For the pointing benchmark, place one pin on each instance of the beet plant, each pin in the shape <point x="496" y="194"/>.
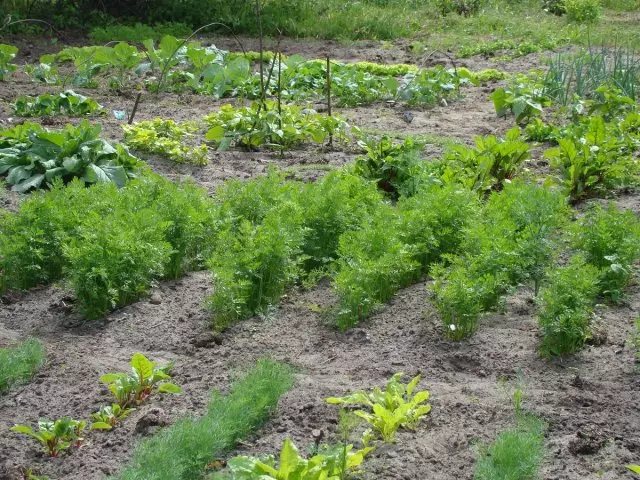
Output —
<point x="109" y="416"/>
<point x="332" y="465"/>
<point x="132" y="389"/>
<point x="55" y="436"/>
<point x="397" y="406"/>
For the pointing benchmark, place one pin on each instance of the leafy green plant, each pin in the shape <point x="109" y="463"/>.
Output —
<point x="524" y="98"/>
<point x="133" y="389"/>
<point x="182" y="451"/>
<point x="433" y="86"/>
<point x="65" y="103"/>
<point x="167" y="138"/>
<point x="609" y="238"/>
<point x="390" y="409"/>
<point x="253" y="264"/>
<point x="489" y="165"/>
<point x="583" y="11"/>
<point x="55" y="436"/>
<point x="138" y="32"/>
<point x="109" y="416"/>
<point x="592" y="162"/>
<point x="7" y="53"/>
<point x="374" y="262"/>
<point x="634" y="468"/>
<point x="32" y="157"/>
<point x="88" y="62"/>
<point x="392" y="167"/>
<point x="44" y="72"/>
<point x="19" y="362"/>
<point x="113" y="260"/>
<point x="517" y="452"/>
<point x="566" y="307"/>
<point x="263" y="124"/>
<point x="292" y="466"/>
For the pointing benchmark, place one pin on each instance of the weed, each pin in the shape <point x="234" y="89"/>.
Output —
<point x="583" y="11"/>
<point x="18" y="363"/>
<point x="182" y="451"/>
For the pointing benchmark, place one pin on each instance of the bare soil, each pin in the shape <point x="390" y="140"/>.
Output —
<point x="590" y="401"/>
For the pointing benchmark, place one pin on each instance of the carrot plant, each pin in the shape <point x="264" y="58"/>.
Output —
<point x="514" y="242"/>
<point x="566" y="307"/>
<point x="253" y="264"/>
<point x="609" y="239"/>
<point x="374" y="262"/>
<point x="111" y="261"/>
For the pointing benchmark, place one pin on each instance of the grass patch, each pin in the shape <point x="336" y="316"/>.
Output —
<point x="138" y="33"/>
<point x="19" y="362"/>
<point x="182" y="451"/>
<point x="516" y="454"/>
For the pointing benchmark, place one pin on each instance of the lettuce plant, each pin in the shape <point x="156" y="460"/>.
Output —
<point x="55" y="436"/>
<point x="390" y="409"/>
<point x="167" y="138"/>
<point x="133" y="389"/>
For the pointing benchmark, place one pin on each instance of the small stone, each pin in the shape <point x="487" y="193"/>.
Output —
<point x="155" y="299"/>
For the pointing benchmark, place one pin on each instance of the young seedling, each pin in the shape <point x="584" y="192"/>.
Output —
<point x="109" y="416"/>
<point x="132" y="389"/>
<point x="391" y="408"/>
<point x="55" y="437"/>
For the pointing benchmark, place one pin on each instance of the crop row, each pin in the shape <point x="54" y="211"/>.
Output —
<point x="172" y="65"/>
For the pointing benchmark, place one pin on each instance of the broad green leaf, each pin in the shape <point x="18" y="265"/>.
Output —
<point x="33" y="182"/>
<point x="169" y="388"/>
<point x="101" y="426"/>
<point x="142" y="366"/>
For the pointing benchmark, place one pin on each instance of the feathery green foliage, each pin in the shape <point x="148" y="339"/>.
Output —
<point x="19" y="362"/>
<point x="182" y="451"/>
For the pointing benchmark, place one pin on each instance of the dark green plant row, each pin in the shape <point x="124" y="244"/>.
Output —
<point x="177" y="66"/>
